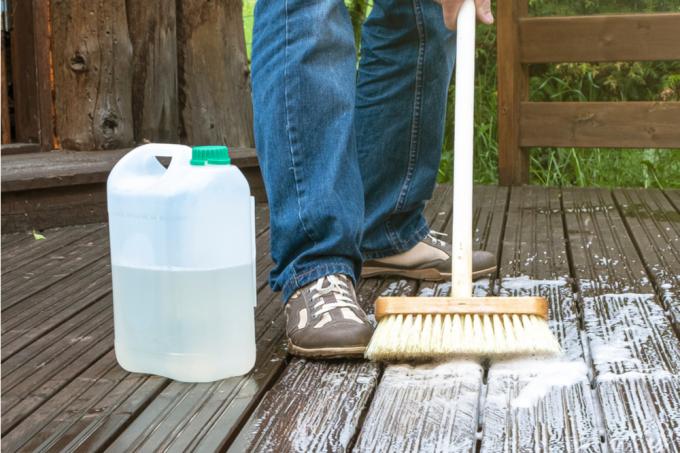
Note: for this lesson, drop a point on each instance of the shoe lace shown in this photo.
(337, 288)
(436, 240)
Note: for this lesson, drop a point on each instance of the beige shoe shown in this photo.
(429, 260)
(323, 319)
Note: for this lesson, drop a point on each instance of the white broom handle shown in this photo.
(461, 237)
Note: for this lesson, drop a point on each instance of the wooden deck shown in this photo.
(609, 261)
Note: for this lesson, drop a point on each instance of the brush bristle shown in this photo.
(418, 337)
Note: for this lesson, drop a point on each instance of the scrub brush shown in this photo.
(421, 328)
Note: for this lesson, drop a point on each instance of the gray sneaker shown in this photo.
(483, 265)
(323, 319)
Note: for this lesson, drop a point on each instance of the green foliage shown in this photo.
(575, 82)
(563, 82)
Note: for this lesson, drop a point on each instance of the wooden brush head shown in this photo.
(385, 306)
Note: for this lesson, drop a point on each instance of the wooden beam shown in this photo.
(92, 72)
(70, 168)
(44, 83)
(53, 207)
(43, 190)
(24, 75)
(19, 148)
(629, 37)
(214, 86)
(32, 91)
(600, 124)
(6, 126)
(513, 81)
(153, 31)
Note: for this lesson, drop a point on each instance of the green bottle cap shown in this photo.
(213, 155)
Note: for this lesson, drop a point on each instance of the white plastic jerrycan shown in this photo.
(183, 263)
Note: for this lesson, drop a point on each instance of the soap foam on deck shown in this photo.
(524, 282)
(543, 376)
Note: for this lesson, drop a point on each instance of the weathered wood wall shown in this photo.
(92, 56)
(215, 103)
(129, 71)
(153, 31)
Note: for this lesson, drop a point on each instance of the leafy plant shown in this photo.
(619, 81)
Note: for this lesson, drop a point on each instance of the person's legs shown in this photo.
(407, 58)
(304, 68)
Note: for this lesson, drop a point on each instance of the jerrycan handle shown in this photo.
(142, 160)
(253, 250)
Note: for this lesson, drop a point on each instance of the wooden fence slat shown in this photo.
(624, 37)
(600, 124)
(214, 86)
(513, 88)
(92, 74)
(153, 31)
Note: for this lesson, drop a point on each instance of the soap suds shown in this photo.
(543, 377)
(635, 375)
(524, 282)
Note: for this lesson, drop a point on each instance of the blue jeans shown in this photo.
(349, 158)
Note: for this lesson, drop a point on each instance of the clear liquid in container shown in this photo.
(186, 324)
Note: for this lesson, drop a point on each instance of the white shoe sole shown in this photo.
(429, 274)
(326, 353)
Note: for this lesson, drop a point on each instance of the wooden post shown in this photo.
(26, 119)
(214, 86)
(513, 81)
(6, 132)
(154, 70)
(44, 82)
(32, 90)
(92, 57)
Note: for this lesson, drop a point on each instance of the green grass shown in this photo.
(568, 82)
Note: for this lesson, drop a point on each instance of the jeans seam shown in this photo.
(293, 283)
(290, 134)
(403, 245)
(417, 101)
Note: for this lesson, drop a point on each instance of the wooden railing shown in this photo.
(524, 40)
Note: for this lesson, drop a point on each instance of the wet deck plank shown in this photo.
(654, 225)
(26, 281)
(435, 408)
(63, 390)
(674, 196)
(30, 249)
(282, 421)
(62, 387)
(633, 348)
(536, 405)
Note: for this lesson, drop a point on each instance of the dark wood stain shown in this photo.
(63, 390)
